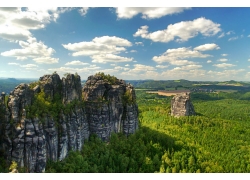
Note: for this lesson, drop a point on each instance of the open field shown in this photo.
(167, 93)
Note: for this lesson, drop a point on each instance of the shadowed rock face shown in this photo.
(32, 141)
(181, 105)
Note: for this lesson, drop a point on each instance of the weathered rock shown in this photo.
(33, 140)
(181, 105)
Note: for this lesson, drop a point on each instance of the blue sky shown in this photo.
(193, 43)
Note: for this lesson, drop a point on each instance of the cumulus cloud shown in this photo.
(133, 51)
(101, 49)
(223, 60)
(233, 38)
(73, 70)
(178, 56)
(13, 33)
(26, 66)
(139, 43)
(127, 65)
(46, 60)
(183, 31)
(161, 66)
(109, 58)
(76, 63)
(224, 54)
(112, 40)
(189, 67)
(38, 51)
(148, 12)
(207, 47)
(209, 61)
(16, 23)
(224, 65)
(83, 11)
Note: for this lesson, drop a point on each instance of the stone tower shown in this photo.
(181, 105)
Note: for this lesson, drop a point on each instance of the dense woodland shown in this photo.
(217, 139)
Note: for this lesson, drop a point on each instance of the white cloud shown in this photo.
(248, 35)
(112, 65)
(73, 70)
(140, 43)
(222, 35)
(223, 60)
(178, 56)
(133, 51)
(46, 60)
(224, 65)
(148, 12)
(32, 49)
(248, 60)
(29, 66)
(76, 63)
(83, 11)
(230, 32)
(109, 58)
(112, 40)
(233, 38)
(15, 23)
(101, 49)
(209, 61)
(127, 65)
(207, 47)
(15, 64)
(161, 66)
(224, 54)
(182, 31)
(13, 33)
(189, 67)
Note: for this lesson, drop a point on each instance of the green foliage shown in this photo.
(66, 74)
(43, 106)
(216, 140)
(33, 84)
(111, 79)
(127, 98)
(13, 166)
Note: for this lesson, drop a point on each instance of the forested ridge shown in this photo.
(216, 140)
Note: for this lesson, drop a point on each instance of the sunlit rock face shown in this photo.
(32, 141)
(181, 105)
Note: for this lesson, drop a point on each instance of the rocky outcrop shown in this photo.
(181, 105)
(32, 137)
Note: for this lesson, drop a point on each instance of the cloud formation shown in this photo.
(148, 12)
(224, 65)
(207, 47)
(38, 51)
(178, 56)
(181, 31)
(101, 49)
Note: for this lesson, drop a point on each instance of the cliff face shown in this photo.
(34, 130)
(181, 105)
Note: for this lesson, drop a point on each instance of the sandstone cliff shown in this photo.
(181, 105)
(46, 119)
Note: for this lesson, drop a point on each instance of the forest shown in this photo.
(216, 140)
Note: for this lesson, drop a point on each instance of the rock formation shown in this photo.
(181, 105)
(47, 119)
